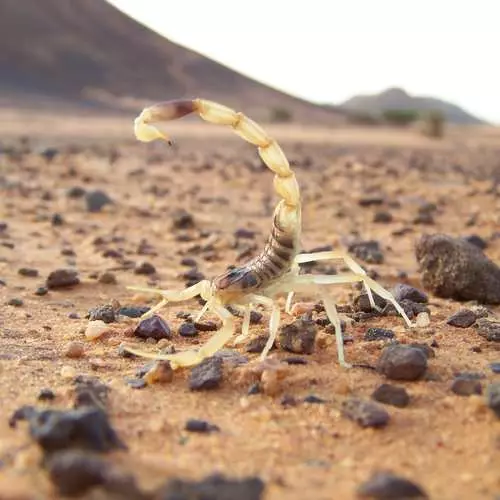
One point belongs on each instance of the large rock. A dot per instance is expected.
(454, 268)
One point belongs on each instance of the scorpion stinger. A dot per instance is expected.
(276, 269)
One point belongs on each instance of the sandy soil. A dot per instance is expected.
(448, 444)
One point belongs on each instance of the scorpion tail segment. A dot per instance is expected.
(144, 129)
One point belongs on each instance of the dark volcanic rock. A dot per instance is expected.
(488, 329)
(61, 278)
(365, 413)
(391, 395)
(454, 268)
(104, 313)
(96, 200)
(181, 219)
(188, 329)
(378, 334)
(462, 318)
(153, 327)
(368, 251)
(466, 385)
(133, 312)
(85, 428)
(145, 268)
(216, 487)
(207, 375)
(403, 291)
(388, 486)
(400, 362)
(75, 472)
(298, 337)
(201, 426)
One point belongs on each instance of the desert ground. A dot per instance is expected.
(447, 444)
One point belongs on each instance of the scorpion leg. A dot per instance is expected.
(245, 326)
(201, 288)
(348, 261)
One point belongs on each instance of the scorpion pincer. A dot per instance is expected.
(276, 270)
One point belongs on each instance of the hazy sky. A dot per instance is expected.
(329, 50)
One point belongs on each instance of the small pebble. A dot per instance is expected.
(403, 291)
(200, 426)
(46, 395)
(206, 375)
(206, 326)
(153, 327)
(107, 278)
(378, 334)
(312, 399)
(400, 362)
(61, 278)
(488, 329)
(15, 302)
(388, 486)
(464, 385)
(188, 329)
(391, 395)
(96, 200)
(181, 219)
(295, 360)
(57, 220)
(423, 320)
(145, 268)
(495, 367)
(68, 372)
(28, 272)
(257, 344)
(74, 349)
(160, 372)
(298, 337)
(133, 312)
(367, 251)
(462, 318)
(136, 383)
(104, 313)
(41, 291)
(95, 329)
(365, 413)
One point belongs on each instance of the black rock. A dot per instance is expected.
(106, 313)
(365, 413)
(15, 302)
(206, 375)
(391, 395)
(493, 397)
(86, 428)
(76, 472)
(382, 217)
(145, 268)
(371, 200)
(193, 275)
(153, 327)
(477, 241)
(61, 278)
(244, 234)
(453, 268)
(312, 399)
(57, 220)
(41, 290)
(96, 200)
(181, 219)
(400, 362)
(188, 261)
(75, 192)
(403, 291)
(294, 360)
(206, 326)
(464, 385)
(298, 337)
(388, 486)
(188, 329)
(133, 312)
(488, 329)
(201, 426)
(378, 334)
(46, 395)
(257, 344)
(216, 487)
(28, 272)
(362, 303)
(462, 318)
(367, 251)
(231, 357)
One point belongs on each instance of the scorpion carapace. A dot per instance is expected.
(275, 271)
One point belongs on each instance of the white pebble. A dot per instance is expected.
(423, 320)
(95, 329)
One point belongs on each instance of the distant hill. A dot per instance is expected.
(396, 98)
(87, 52)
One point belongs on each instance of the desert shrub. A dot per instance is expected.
(281, 115)
(433, 124)
(360, 118)
(400, 117)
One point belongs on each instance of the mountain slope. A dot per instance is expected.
(88, 52)
(396, 98)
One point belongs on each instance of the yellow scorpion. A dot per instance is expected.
(275, 271)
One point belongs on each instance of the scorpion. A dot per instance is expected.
(276, 270)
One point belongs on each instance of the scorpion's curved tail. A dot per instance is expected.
(287, 213)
